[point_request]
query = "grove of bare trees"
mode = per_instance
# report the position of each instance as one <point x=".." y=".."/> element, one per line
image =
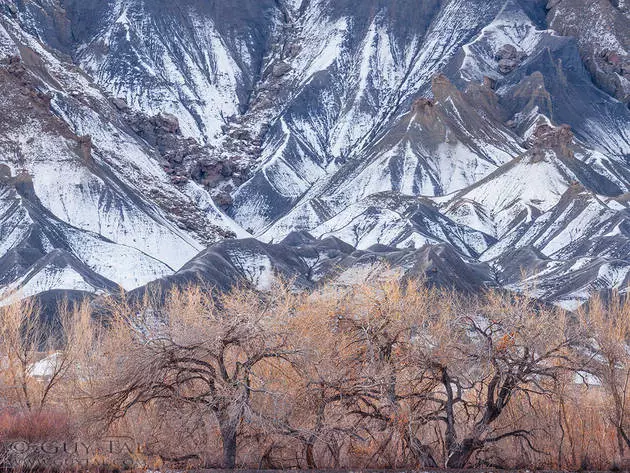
<point x="386" y="374"/>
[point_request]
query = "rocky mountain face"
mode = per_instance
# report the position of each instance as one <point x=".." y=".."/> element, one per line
<point x="478" y="142"/>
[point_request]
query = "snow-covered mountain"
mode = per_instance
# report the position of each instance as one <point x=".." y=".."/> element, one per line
<point x="482" y="142"/>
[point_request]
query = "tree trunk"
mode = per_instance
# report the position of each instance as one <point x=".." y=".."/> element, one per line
<point x="228" y="436"/>
<point x="458" y="460"/>
<point x="422" y="453"/>
<point x="460" y="455"/>
<point x="310" y="455"/>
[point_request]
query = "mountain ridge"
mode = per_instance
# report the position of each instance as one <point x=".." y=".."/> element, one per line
<point x="158" y="129"/>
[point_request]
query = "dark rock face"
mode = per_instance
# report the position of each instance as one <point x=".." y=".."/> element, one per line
<point x="559" y="139"/>
<point x="603" y="32"/>
<point x="456" y="139"/>
<point x="509" y="58"/>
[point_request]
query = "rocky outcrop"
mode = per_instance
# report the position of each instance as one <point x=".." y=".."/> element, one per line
<point x="509" y="58"/>
<point x="159" y="130"/>
<point x="120" y="104"/>
<point x="280" y="69"/>
<point x="556" y="138"/>
<point x="184" y="159"/>
<point x="602" y="30"/>
<point x="442" y="87"/>
<point x="616" y="72"/>
<point x="422" y="105"/>
<point x="85" y="148"/>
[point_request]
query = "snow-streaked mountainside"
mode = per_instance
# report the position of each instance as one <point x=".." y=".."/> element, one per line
<point x="478" y="142"/>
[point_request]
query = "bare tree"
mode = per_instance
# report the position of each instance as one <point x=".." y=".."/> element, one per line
<point x="37" y="355"/>
<point x="383" y="374"/>
<point x="328" y="377"/>
<point x="429" y="360"/>
<point x="356" y="373"/>
<point x="608" y="353"/>
<point x="195" y="350"/>
<point x="496" y="349"/>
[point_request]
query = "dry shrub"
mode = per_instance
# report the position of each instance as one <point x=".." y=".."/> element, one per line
<point x="36" y="426"/>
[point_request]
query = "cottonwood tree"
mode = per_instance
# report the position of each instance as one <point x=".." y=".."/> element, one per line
<point x="329" y="377"/>
<point x="393" y="395"/>
<point x="608" y="356"/>
<point x="495" y="350"/>
<point x="37" y="356"/>
<point x="355" y="370"/>
<point x="433" y="362"/>
<point x="195" y="350"/>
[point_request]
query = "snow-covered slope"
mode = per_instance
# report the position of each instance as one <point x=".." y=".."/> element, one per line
<point x="85" y="202"/>
<point x="491" y="136"/>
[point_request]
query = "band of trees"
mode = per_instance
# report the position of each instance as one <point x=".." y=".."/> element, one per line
<point x="379" y="375"/>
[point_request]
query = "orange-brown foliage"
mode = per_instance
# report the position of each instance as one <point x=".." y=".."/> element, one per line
<point x="377" y="375"/>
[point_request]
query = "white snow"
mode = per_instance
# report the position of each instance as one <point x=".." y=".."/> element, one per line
<point x="511" y="27"/>
<point x="194" y="78"/>
<point x="352" y="165"/>
<point x="46" y="279"/>
<point x="522" y="186"/>
<point x="46" y="366"/>
<point x="255" y="267"/>
<point x="7" y="45"/>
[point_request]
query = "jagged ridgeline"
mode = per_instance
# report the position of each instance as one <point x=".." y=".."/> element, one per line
<point x="478" y="142"/>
